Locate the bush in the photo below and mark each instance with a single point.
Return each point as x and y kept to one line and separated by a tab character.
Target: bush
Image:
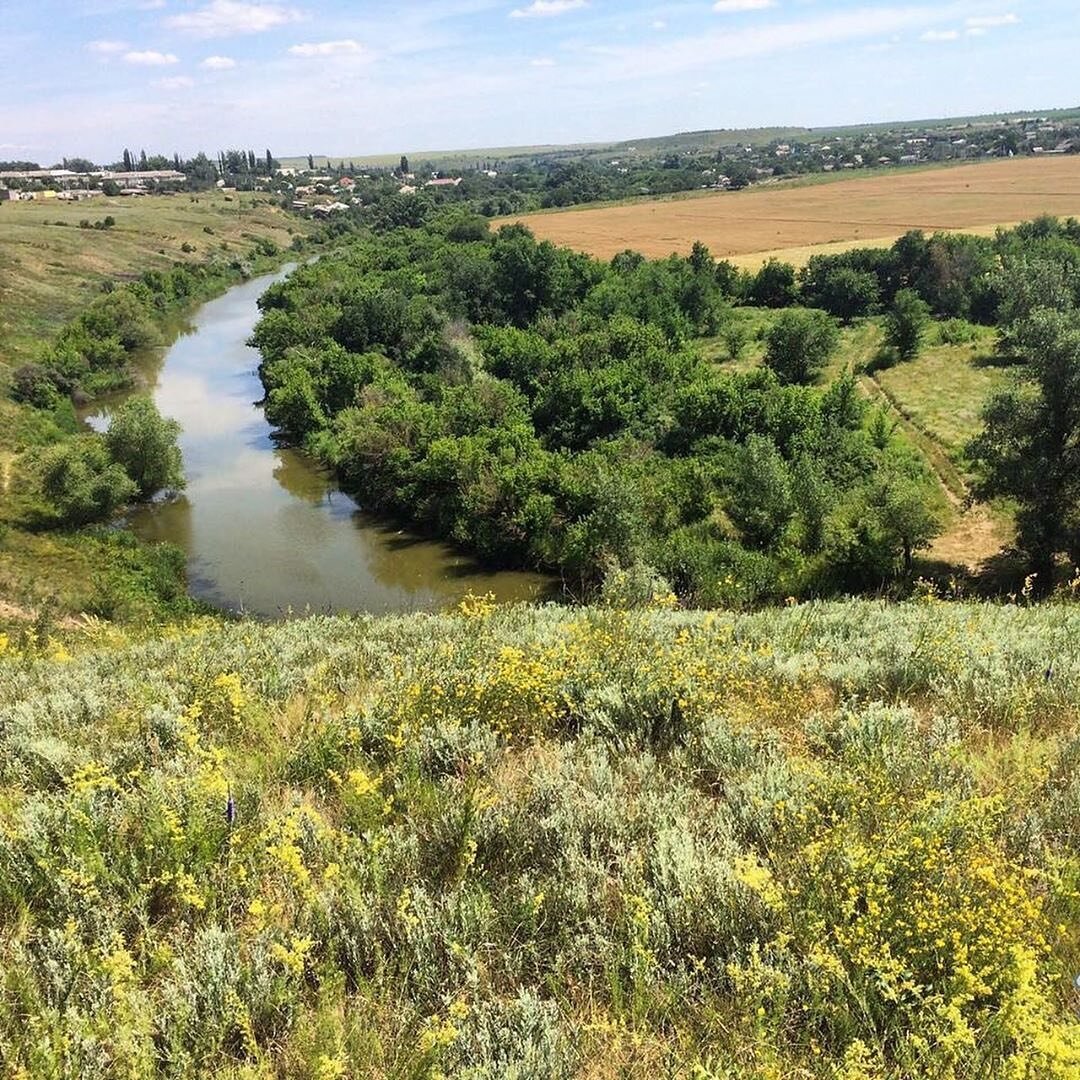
774	285
81	483
799	344
144	444
906	323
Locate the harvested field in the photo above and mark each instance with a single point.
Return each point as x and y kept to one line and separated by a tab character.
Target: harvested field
793	220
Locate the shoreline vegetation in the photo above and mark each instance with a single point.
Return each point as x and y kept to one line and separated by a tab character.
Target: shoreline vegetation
545	409
49	573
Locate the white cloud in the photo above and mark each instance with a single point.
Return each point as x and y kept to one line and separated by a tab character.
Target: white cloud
542	61
225	18
218	63
328	48
985	22
150	58
659	24
546	8
940	35
106	48
976	31
731	7
177	82
665	58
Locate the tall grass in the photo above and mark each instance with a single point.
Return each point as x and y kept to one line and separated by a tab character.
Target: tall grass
836	840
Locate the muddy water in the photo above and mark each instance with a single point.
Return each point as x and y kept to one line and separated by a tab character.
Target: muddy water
265	530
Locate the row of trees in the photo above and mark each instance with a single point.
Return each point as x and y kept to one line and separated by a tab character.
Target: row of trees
91	355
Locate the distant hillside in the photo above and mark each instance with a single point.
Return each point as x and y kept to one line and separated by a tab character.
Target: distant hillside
712	139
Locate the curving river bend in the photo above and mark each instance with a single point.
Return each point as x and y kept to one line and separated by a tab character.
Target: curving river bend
265	530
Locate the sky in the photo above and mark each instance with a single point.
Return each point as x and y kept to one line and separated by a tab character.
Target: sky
351	77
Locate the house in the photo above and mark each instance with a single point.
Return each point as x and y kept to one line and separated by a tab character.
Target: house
346	182
444	182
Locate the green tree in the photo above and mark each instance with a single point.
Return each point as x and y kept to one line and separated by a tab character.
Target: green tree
81	482
908	504
774	285
760	499
799	344
905	323
1029	449
844	292
143	443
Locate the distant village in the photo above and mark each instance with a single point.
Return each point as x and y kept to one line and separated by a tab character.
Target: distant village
553	177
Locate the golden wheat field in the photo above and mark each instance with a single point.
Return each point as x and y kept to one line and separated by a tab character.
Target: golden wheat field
794	221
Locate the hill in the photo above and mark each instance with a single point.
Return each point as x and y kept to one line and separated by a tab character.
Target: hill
829	841
679	142
50	268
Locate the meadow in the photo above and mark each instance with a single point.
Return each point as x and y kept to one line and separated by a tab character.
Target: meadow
825	841
50	268
792	220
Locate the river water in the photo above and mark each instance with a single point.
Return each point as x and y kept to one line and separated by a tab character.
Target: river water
265	530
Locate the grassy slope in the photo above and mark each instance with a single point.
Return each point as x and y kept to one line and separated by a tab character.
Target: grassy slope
566	843
50	268
48	273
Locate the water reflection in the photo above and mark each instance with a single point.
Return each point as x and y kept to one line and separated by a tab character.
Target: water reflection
264	528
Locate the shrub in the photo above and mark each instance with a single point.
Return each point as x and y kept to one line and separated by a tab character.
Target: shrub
799	344
906	323
80	481
144	443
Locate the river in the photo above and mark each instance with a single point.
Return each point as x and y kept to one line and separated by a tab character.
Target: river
266	531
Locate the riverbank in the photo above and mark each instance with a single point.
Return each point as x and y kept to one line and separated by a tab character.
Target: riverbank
264	529
61	270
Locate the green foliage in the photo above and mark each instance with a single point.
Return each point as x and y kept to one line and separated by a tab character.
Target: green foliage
760	498
574	428
81	482
92	353
1029	449
842	290
799	344
905	323
773	285
144	443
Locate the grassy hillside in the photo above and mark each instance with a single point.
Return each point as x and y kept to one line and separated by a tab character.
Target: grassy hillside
50	268
827	841
935	400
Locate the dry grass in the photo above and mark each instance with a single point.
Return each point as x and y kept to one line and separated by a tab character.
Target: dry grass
50	268
796	220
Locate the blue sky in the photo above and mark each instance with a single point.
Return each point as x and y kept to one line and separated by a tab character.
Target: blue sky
88	77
